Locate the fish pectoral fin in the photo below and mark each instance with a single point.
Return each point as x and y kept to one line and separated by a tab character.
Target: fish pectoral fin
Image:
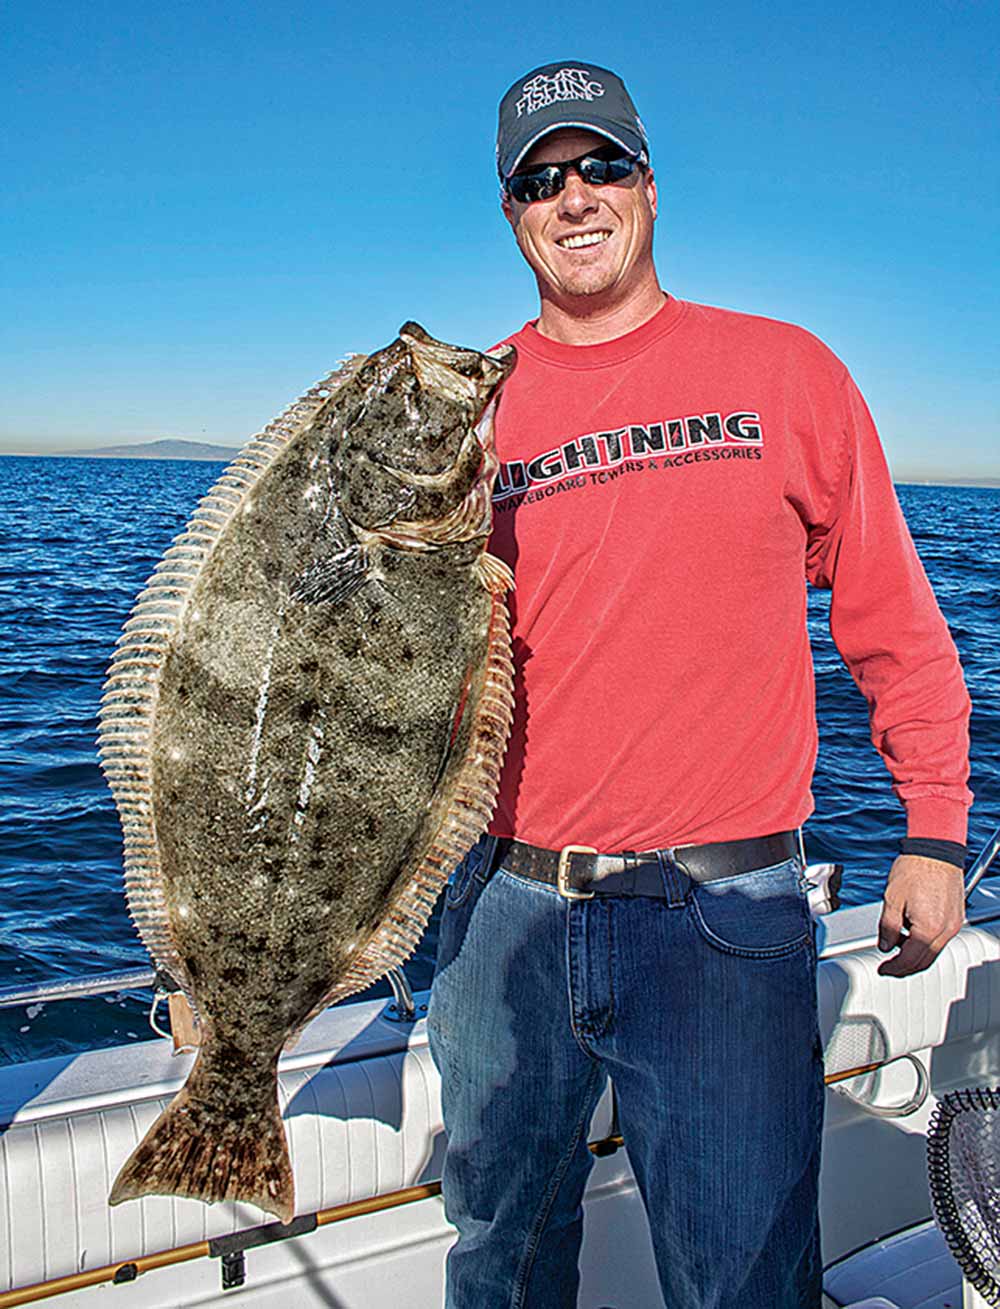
335	579
494	574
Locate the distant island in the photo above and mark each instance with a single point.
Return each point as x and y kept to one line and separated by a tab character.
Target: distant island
948	481
155	450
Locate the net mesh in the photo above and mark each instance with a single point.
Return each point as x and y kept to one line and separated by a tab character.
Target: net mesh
963	1166
854	1043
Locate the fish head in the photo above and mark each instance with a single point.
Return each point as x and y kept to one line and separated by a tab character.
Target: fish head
416	460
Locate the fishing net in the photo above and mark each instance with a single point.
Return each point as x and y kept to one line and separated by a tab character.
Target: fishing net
963	1165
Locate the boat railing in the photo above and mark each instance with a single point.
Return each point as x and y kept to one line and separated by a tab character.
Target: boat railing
401	1009
76	988
980	865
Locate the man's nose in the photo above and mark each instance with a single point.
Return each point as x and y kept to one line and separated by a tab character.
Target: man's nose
576	198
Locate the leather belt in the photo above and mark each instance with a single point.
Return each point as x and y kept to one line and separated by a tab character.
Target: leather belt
579	873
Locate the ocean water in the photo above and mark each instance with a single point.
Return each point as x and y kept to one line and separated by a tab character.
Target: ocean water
78	538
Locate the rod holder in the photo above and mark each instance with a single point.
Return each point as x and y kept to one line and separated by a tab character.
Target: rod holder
231	1250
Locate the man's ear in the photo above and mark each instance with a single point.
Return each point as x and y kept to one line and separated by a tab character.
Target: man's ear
649	181
508	209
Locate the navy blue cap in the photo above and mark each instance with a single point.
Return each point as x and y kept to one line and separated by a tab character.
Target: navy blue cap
570	93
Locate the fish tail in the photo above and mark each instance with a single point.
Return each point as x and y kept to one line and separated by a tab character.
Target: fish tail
216	1140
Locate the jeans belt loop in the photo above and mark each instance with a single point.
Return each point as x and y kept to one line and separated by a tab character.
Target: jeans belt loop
676	880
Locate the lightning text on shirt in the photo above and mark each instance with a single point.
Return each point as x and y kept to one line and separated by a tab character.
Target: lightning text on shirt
607	450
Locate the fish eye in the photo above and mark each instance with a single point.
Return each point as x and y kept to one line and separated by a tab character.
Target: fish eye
468	363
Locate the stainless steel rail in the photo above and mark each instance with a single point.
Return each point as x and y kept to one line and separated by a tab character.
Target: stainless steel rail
404	1008
135	979
981	863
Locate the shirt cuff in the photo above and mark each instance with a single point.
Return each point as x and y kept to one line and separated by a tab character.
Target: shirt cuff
948	852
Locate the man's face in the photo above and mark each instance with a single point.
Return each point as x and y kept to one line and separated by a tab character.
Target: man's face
617	218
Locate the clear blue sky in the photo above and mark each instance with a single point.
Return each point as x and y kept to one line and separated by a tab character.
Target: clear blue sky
206	204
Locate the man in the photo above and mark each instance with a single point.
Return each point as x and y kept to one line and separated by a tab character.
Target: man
671	475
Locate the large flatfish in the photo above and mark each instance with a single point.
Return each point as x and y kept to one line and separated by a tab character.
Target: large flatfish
303	728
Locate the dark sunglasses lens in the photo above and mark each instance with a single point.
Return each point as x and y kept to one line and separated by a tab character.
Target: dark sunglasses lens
597	172
545	182
539	184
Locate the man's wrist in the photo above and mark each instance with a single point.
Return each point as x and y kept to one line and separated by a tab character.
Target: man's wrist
948	852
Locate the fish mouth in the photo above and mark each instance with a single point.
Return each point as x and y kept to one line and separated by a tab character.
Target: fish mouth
459	373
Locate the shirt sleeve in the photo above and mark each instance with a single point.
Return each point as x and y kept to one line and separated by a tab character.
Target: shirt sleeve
886	623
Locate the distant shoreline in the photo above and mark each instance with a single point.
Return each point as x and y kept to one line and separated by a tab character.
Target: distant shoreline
990	483
163	449
201	451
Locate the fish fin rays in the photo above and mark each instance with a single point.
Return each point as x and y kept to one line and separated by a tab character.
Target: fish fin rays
333	580
494	574
131	690
206	1150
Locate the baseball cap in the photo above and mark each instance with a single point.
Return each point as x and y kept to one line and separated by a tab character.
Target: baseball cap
571	93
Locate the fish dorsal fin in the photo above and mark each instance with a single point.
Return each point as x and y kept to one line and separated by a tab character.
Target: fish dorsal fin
128	705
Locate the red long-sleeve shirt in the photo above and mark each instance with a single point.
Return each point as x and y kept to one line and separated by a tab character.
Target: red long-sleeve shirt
662	499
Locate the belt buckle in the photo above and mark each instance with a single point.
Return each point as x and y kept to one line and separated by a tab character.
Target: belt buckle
562	874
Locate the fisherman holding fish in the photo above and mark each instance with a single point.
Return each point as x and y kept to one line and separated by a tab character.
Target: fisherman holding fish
671	475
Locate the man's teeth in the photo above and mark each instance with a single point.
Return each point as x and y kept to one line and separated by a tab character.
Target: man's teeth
584	238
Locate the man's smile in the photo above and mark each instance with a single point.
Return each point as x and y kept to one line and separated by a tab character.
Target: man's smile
577	240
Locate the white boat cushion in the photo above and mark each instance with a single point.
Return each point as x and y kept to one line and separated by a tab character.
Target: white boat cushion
866	1017
357	1128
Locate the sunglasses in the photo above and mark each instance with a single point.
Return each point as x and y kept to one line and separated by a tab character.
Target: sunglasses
595	168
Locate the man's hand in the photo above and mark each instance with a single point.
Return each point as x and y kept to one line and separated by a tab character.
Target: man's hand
924	908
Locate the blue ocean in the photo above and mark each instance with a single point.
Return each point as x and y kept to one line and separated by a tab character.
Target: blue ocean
78	538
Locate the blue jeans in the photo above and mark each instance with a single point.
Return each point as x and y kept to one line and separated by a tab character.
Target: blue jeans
702	1008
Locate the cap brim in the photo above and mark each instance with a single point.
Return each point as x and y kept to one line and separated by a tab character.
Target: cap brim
629	141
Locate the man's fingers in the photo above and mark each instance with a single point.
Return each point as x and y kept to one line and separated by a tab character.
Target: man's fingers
917	953
914	956
890	927
924	907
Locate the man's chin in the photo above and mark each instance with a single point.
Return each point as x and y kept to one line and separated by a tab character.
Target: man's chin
585	288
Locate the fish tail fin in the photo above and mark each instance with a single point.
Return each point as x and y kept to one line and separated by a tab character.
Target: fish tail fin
211	1144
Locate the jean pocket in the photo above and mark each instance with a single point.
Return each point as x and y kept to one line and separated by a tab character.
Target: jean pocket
763	914
472	869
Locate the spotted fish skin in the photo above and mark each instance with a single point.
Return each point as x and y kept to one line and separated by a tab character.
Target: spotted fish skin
303	730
